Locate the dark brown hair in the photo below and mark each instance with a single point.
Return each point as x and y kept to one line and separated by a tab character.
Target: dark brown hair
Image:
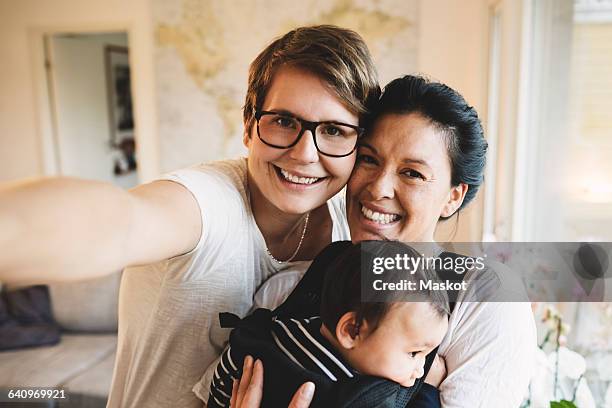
452	115
342	286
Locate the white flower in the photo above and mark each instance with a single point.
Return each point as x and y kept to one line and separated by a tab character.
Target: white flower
541	382
542	361
584	397
571	364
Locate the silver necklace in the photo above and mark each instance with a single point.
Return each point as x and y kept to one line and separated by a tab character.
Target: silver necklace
296	249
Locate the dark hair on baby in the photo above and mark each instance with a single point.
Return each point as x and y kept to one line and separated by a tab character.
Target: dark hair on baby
342	285
449	111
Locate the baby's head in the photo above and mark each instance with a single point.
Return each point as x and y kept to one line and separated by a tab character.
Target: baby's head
385	339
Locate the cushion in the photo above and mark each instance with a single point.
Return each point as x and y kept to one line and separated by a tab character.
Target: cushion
87	305
55	365
25	318
95	382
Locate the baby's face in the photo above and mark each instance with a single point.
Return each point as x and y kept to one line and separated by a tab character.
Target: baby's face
396	350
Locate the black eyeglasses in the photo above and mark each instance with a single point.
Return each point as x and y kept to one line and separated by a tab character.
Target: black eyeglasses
282	131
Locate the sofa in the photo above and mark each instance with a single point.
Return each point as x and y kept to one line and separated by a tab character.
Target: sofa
82	362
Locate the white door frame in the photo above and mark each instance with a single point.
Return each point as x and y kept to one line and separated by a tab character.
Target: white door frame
143	95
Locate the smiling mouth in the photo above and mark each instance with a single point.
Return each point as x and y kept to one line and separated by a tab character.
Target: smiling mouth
296	179
379	217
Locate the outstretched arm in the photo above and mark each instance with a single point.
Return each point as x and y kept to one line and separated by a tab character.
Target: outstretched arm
63	229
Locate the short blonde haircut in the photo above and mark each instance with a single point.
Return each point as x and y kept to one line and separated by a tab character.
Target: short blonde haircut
338	56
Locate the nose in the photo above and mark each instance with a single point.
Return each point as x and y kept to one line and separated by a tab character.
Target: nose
382	185
305	150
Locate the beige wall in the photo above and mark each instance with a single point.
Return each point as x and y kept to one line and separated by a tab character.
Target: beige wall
453	48
24	127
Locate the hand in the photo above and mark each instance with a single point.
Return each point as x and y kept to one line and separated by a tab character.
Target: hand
437	372
247	392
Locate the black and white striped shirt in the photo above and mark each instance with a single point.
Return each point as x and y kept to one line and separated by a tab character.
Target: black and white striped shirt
301	341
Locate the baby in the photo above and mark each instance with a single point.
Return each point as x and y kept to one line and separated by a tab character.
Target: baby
348	345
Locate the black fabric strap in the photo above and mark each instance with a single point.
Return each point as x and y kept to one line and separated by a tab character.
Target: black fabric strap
228	320
450	275
305	299
427	397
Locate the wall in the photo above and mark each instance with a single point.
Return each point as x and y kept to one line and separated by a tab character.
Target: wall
453	48
25	127
204	48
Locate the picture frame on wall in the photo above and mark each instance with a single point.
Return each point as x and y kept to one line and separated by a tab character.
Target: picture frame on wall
118	83
120	114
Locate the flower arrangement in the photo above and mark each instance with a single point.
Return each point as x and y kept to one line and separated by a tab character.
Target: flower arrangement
560	376
558	380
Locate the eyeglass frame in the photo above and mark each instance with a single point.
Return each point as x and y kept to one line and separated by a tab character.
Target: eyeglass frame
307	125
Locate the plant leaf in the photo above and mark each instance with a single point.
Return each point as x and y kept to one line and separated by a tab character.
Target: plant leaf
562	404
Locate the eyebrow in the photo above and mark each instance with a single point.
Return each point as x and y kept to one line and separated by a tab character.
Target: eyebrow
425	345
416	161
364	144
406	161
289	113
282	112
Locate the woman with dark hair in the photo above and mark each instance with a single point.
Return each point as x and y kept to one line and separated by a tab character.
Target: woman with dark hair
421	161
427	134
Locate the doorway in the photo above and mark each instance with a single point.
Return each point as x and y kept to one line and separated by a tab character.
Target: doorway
89	86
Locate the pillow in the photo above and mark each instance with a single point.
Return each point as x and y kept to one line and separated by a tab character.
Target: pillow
25	319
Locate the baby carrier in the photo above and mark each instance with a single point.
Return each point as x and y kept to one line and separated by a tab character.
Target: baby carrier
282	377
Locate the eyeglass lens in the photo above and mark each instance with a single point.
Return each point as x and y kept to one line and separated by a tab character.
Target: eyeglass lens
331	138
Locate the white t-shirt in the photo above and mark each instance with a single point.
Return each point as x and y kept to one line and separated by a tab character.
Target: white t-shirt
489	348
168	311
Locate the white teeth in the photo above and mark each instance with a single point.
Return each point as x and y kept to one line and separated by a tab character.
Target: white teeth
296	179
378	217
